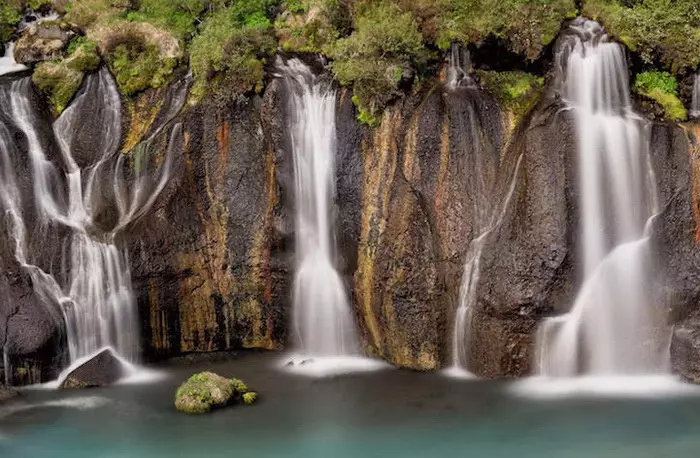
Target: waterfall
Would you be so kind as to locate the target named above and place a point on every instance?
(459, 67)
(695, 106)
(611, 326)
(323, 318)
(93, 291)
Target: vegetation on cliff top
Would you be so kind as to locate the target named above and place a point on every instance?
(663, 30)
(378, 47)
(517, 91)
(232, 48)
(663, 89)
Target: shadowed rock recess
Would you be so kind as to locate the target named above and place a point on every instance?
(210, 244)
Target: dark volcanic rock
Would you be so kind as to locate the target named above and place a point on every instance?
(101, 370)
(526, 265)
(207, 262)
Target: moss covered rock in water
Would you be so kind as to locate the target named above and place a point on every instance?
(205, 391)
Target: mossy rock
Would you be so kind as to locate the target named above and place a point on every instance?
(205, 391)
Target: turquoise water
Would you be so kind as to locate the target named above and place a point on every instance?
(391, 413)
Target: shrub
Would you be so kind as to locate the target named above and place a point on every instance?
(309, 25)
(9, 18)
(662, 88)
(230, 52)
(177, 16)
(526, 25)
(384, 49)
(658, 29)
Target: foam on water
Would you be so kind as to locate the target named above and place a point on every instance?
(643, 386)
(328, 366)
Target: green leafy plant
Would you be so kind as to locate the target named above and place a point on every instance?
(239, 386)
(663, 88)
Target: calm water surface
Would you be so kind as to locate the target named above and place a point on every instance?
(381, 414)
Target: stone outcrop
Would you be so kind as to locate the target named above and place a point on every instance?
(42, 42)
(103, 369)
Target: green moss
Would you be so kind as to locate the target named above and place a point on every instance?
(239, 386)
(229, 55)
(657, 29)
(662, 88)
(138, 65)
(206, 390)
(58, 81)
(82, 55)
(250, 397)
(517, 91)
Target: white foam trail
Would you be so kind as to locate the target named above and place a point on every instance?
(78, 403)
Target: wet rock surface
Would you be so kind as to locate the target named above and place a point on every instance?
(103, 369)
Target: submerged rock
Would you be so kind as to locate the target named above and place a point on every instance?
(7, 393)
(685, 351)
(101, 370)
(205, 391)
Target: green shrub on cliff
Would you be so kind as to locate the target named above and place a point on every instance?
(517, 91)
(9, 18)
(311, 25)
(177, 16)
(228, 56)
(663, 88)
(384, 49)
(525, 25)
(668, 30)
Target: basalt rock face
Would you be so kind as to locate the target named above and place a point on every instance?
(208, 264)
(526, 264)
(418, 215)
(676, 240)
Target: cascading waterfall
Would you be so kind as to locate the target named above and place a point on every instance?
(459, 67)
(695, 104)
(323, 319)
(611, 326)
(93, 293)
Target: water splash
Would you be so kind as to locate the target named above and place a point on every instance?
(323, 318)
(612, 326)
